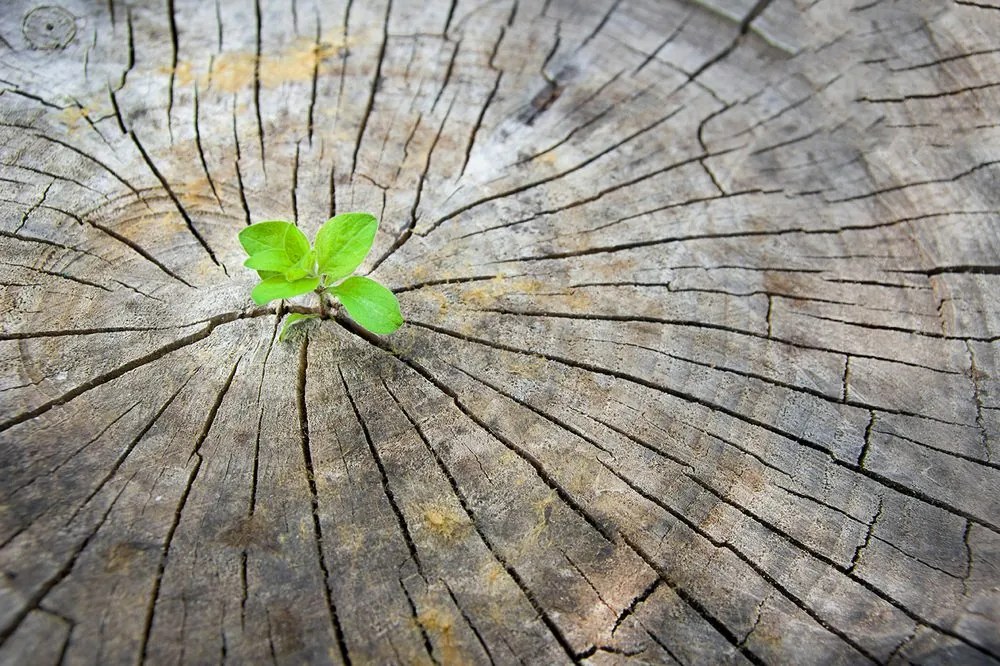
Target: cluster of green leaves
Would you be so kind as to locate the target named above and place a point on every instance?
(288, 266)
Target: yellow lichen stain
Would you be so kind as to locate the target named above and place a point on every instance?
(579, 300)
(440, 623)
(478, 296)
(524, 285)
(715, 517)
(441, 300)
(484, 294)
(445, 522)
(122, 555)
(489, 293)
(549, 158)
(494, 573)
(528, 367)
(297, 64)
(183, 74)
(256, 530)
(196, 193)
(233, 71)
(71, 116)
(753, 480)
(543, 513)
(351, 540)
(581, 480)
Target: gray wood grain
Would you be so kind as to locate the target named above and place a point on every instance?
(701, 361)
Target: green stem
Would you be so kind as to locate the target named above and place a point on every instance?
(322, 302)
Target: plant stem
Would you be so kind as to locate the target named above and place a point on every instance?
(322, 303)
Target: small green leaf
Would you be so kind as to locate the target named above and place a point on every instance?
(305, 266)
(370, 304)
(278, 287)
(292, 320)
(275, 261)
(342, 243)
(278, 245)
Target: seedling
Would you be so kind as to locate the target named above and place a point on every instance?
(288, 266)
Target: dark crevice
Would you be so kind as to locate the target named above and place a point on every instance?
(663, 646)
(376, 83)
(10, 491)
(932, 181)
(714, 407)
(636, 601)
(54, 177)
(935, 95)
(127, 451)
(602, 529)
(131, 365)
(295, 184)
(315, 81)
(428, 648)
(897, 329)
(868, 537)
(96, 161)
(50, 243)
(442, 281)
(451, 594)
(177, 202)
(600, 25)
(243, 193)
(154, 596)
(740, 555)
(752, 517)
(302, 408)
(256, 87)
(604, 192)
(34, 600)
(447, 74)
(559, 423)
(201, 151)
(63, 276)
(574, 168)
(384, 477)
(408, 231)
(646, 319)
(252, 508)
(669, 38)
(718, 625)
(947, 452)
(333, 191)
(174, 46)
(578, 128)
(124, 240)
(463, 500)
(479, 123)
(244, 590)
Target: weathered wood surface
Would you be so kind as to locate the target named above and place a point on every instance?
(701, 362)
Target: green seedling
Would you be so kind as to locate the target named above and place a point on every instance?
(288, 266)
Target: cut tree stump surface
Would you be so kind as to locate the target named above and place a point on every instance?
(702, 353)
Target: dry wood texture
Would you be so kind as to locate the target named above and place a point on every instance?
(702, 361)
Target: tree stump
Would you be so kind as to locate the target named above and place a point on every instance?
(701, 359)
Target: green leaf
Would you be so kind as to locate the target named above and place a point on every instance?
(278, 287)
(342, 243)
(292, 320)
(276, 261)
(273, 246)
(370, 304)
(305, 266)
